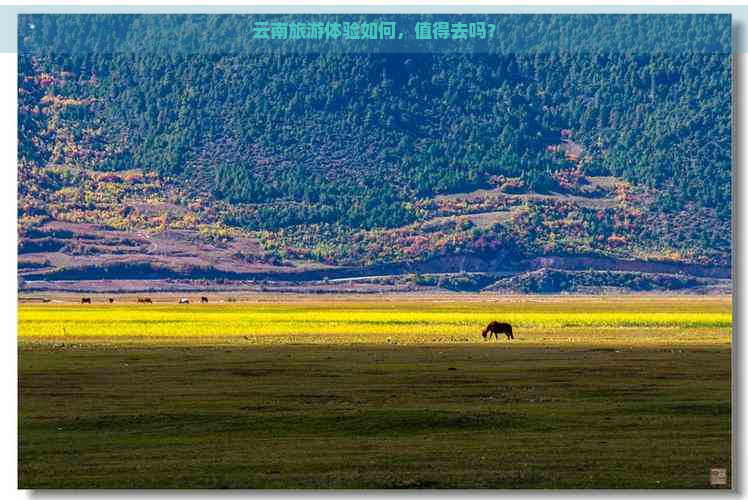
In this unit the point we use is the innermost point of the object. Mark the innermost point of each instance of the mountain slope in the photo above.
(317, 161)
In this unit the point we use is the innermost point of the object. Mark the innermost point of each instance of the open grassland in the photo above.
(594, 392)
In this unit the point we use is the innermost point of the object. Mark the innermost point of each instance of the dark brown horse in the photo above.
(495, 328)
(203, 300)
(86, 300)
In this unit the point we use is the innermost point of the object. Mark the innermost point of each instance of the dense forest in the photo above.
(310, 151)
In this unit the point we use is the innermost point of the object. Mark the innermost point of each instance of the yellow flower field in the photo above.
(371, 321)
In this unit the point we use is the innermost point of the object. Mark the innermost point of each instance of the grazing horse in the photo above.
(184, 301)
(111, 300)
(144, 300)
(495, 328)
(203, 300)
(86, 300)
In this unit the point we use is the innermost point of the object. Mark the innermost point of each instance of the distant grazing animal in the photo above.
(144, 300)
(184, 301)
(495, 328)
(111, 300)
(203, 300)
(86, 300)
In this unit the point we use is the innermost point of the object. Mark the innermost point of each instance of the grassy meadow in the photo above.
(387, 392)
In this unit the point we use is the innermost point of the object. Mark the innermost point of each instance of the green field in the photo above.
(375, 393)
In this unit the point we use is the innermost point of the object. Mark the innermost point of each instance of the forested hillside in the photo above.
(351, 159)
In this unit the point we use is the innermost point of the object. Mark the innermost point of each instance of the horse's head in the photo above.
(485, 332)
